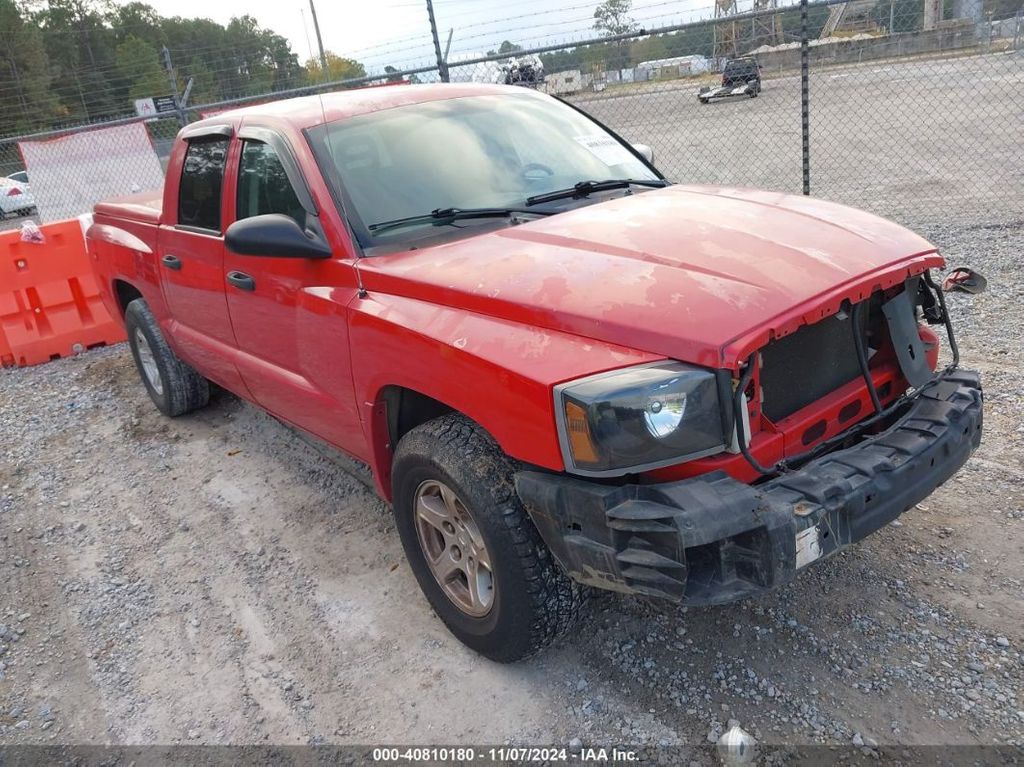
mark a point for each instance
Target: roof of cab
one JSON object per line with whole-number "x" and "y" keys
{"x": 307, "y": 111}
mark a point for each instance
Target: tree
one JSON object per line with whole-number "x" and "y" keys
{"x": 25, "y": 98}
{"x": 138, "y": 63}
{"x": 649, "y": 49}
{"x": 612, "y": 18}
{"x": 338, "y": 68}
{"x": 63, "y": 62}
{"x": 139, "y": 20}
{"x": 506, "y": 48}
{"x": 81, "y": 50}
{"x": 393, "y": 74}
{"x": 204, "y": 84}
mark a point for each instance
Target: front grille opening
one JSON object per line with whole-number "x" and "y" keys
{"x": 817, "y": 359}
{"x": 849, "y": 411}
{"x": 815, "y": 432}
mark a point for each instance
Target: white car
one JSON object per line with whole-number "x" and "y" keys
{"x": 16, "y": 195}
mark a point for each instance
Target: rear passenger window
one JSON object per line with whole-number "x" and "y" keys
{"x": 201, "y": 180}
{"x": 263, "y": 186}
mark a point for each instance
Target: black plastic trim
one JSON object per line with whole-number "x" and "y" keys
{"x": 713, "y": 539}
{"x": 205, "y": 131}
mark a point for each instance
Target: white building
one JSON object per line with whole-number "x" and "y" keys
{"x": 678, "y": 66}
{"x": 566, "y": 82}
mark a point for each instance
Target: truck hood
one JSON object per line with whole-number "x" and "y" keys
{"x": 700, "y": 274}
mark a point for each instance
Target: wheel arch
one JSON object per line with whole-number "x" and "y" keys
{"x": 496, "y": 372}
{"x": 125, "y": 292}
{"x": 397, "y": 410}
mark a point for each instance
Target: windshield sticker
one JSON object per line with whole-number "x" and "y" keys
{"x": 605, "y": 148}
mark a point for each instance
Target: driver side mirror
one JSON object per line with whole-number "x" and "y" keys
{"x": 964, "y": 280}
{"x": 276, "y": 235}
{"x": 645, "y": 151}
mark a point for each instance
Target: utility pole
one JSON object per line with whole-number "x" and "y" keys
{"x": 319, "y": 42}
{"x": 172, "y": 78}
{"x": 805, "y": 100}
{"x": 442, "y": 65}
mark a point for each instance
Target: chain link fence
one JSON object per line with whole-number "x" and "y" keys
{"x": 910, "y": 108}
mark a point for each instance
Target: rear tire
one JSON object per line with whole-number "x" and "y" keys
{"x": 174, "y": 387}
{"x": 531, "y": 601}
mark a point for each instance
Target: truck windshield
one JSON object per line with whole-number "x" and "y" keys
{"x": 492, "y": 151}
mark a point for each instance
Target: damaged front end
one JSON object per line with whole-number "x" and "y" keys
{"x": 840, "y": 427}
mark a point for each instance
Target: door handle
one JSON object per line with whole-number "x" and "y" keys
{"x": 241, "y": 280}
{"x": 171, "y": 262}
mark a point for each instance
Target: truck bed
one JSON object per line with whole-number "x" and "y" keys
{"x": 144, "y": 207}
{"x": 122, "y": 242}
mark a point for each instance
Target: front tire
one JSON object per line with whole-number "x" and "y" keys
{"x": 174, "y": 387}
{"x": 474, "y": 550}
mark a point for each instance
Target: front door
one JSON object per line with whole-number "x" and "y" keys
{"x": 191, "y": 254}
{"x": 290, "y": 314}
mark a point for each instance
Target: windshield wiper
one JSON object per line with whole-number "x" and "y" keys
{"x": 445, "y": 216}
{"x": 583, "y": 188}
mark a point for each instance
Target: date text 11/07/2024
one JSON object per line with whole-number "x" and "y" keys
{"x": 502, "y": 754}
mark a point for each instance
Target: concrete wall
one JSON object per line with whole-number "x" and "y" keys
{"x": 947, "y": 36}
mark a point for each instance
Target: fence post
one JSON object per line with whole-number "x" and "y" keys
{"x": 442, "y": 65}
{"x": 805, "y": 115}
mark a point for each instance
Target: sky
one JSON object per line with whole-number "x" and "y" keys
{"x": 396, "y": 32}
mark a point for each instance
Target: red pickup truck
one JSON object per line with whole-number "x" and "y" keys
{"x": 563, "y": 371}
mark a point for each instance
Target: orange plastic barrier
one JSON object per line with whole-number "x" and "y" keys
{"x": 50, "y": 306}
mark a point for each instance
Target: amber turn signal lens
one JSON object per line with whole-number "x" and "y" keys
{"x": 580, "y": 441}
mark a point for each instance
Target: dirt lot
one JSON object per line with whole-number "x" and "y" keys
{"x": 213, "y": 579}
{"x": 903, "y": 138}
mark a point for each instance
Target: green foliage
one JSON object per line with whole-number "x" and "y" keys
{"x": 138, "y": 62}
{"x": 338, "y": 68}
{"x": 65, "y": 62}
{"x": 649, "y": 49}
{"x": 25, "y": 98}
{"x": 612, "y": 17}
{"x": 505, "y": 49}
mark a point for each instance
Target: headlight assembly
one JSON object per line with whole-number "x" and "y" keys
{"x": 639, "y": 418}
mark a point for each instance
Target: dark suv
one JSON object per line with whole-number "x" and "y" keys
{"x": 740, "y": 71}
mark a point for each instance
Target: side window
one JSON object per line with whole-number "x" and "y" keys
{"x": 263, "y": 186}
{"x": 201, "y": 180}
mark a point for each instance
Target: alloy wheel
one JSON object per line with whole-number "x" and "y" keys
{"x": 454, "y": 548}
{"x": 148, "y": 362}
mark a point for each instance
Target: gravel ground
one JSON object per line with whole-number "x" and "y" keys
{"x": 907, "y": 139}
{"x": 213, "y": 579}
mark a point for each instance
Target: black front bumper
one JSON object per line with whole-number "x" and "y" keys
{"x": 713, "y": 539}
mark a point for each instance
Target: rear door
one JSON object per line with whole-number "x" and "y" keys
{"x": 191, "y": 251}
{"x": 290, "y": 314}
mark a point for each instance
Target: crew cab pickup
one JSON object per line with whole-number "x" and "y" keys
{"x": 563, "y": 371}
